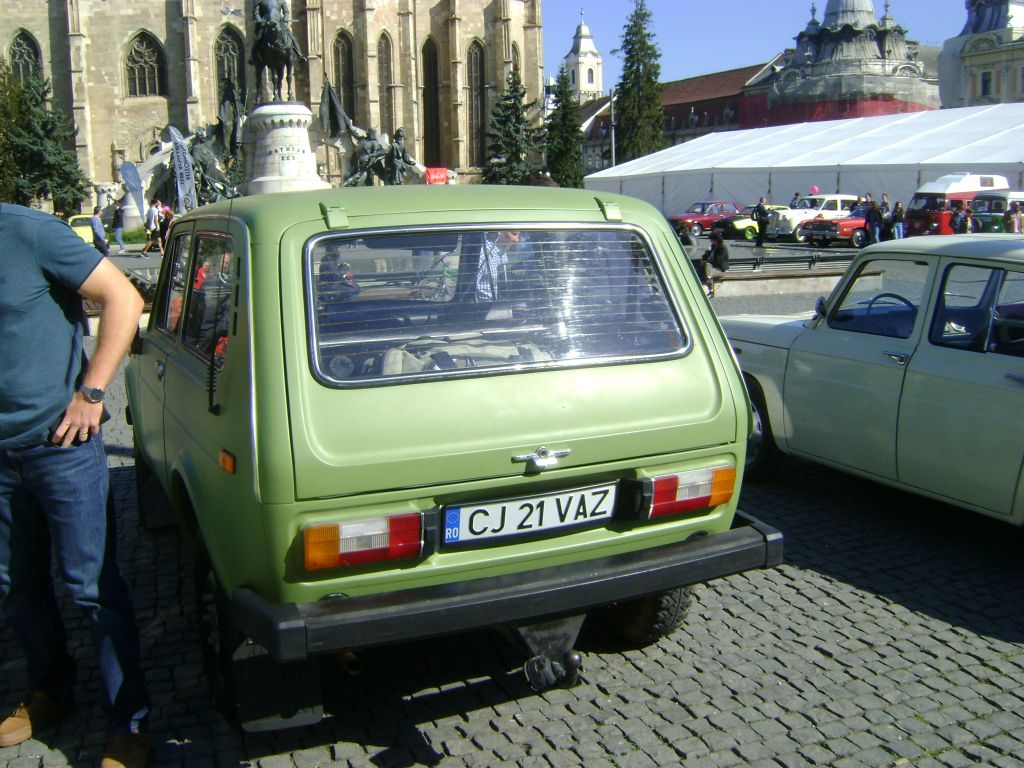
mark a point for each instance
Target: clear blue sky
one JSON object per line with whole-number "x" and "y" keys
{"x": 696, "y": 38}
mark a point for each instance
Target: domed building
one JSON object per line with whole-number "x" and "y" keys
{"x": 984, "y": 64}
{"x": 849, "y": 64}
{"x": 124, "y": 71}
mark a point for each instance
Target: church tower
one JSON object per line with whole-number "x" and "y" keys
{"x": 984, "y": 64}
{"x": 583, "y": 64}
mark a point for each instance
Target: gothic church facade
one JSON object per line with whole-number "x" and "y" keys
{"x": 125, "y": 70}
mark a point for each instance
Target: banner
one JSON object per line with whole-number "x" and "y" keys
{"x": 184, "y": 176}
{"x": 437, "y": 175}
{"x": 133, "y": 183}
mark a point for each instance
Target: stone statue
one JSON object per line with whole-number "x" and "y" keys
{"x": 275, "y": 47}
{"x": 398, "y": 161}
{"x": 211, "y": 183}
{"x": 370, "y": 157}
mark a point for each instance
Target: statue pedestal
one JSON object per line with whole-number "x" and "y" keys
{"x": 281, "y": 160}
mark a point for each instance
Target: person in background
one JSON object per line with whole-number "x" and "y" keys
{"x": 715, "y": 262}
{"x": 761, "y": 217}
{"x": 99, "y": 236}
{"x": 966, "y": 222}
{"x": 153, "y": 226}
{"x": 795, "y": 201}
{"x": 54, "y": 479}
{"x": 898, "y": 215}
{"x": 165, "y": 224}
{"x": 956, "y": 220}
{"x": 1012, "y": 218}
{"x": 874, "y": 220}
{"x": 118, "y": 225}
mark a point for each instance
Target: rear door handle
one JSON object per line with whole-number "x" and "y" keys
{"x": 1016, "y": 377}
{"x": 900, "y": 358}
{"x": 161, "y": 367}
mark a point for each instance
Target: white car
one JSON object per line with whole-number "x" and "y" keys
{"x": 910, "y": 374}
{"x": 786, "y": 222}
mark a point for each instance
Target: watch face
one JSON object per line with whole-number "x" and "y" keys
{"x": 91, "y": 394}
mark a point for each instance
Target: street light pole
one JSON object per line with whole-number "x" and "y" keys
{"x": 612, "y": 102}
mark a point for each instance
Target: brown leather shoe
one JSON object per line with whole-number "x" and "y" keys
{"x": 36, "y": 712}
{"x": 127, "y": 750}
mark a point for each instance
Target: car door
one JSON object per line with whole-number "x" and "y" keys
{"x": 157, "y": 344}
{"x": 961, "y": 432}
{"x": 844, "y": 376}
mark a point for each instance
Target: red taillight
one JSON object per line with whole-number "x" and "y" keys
{"x": 367, "y": 540}
{"x": 690, "y": 491}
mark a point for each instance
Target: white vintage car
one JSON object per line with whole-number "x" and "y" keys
{"x": 786, "y": 221}
{"x": 911, "y": 373}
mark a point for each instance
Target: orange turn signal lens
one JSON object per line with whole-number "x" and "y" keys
{"x": 367, "y": 540}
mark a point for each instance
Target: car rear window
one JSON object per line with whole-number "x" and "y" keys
{"x": 393, "y": 306}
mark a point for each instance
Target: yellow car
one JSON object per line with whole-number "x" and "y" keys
{"x": 742, "y": 226}
{"x": 81, "y": 226}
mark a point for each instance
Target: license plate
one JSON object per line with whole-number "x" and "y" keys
{"x": 471, "y": 523}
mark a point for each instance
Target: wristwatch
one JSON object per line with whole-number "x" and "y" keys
{"x": 92, "y": 394}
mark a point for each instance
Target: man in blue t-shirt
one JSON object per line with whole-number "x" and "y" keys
{"x": 54, "y": 482}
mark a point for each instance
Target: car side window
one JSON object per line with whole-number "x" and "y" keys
{"x": 883, "y": 299}
{"x": 1007, "y": 334}
{"x": 964, "y": 310}
{"x": 210, "y": 302}
{"x": 169, "y": 316}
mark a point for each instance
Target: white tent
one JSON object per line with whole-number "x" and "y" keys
{"x": 893, "y": 154}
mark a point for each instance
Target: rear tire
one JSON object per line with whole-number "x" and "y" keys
{"x": 798, "y": 236}
{"x": 218, "y": 635}
{"x": 750, "y": 233}
{"x": 643, "y": 621}
{"x": 696, "y": 230}
{"x": 859, "y": 238}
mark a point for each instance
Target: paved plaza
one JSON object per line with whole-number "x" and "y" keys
{"x": 893, "y": 635}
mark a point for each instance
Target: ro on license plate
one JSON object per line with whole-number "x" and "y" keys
{"x": 519, "y": 517}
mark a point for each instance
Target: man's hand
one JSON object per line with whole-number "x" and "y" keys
{"x": 81, "y": 421}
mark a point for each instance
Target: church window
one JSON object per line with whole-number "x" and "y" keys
{"x": 229, "y": 53}
{"x": 477, "y": 103}
{"x": 145, "y": 67}
{"x": 26, "y": 60}
{"x": 590, "y": 77}
{"x": 572, "y": 77}
{"x": 385, "y": 81}
{"x": 986, "y": 83}
{"x": 344, "y": 72}
{"x": 431, "y": 105}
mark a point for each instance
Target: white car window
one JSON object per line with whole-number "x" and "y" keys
{"x": 1007, "y": 335}
{"x": 883, "y": 299}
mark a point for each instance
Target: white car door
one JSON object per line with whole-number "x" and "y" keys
{"x": 961, "y": 432}
{"x": 844, "y": 376}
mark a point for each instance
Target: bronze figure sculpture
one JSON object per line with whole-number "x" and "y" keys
{"x": 275, "y": 47}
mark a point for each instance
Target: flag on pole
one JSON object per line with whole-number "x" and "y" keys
{"x": 184, "y": 177}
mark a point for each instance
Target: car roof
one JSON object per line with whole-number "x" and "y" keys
{"x": 988, "y": 246}
{"x": 268, "y": 215}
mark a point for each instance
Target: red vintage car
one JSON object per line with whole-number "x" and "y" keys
{"x": 701, "y": 216}
{"x": 852, "y": 228}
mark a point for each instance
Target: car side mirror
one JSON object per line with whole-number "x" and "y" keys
{"x": 820, "y": 308}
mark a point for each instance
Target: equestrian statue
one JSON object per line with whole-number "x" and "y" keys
{"x": 275, "y": 47}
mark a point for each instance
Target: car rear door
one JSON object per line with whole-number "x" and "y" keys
{"x": 961, "y": 430}
{"x": 844, "y": 377}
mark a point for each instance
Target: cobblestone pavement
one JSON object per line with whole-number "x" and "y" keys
{"x": 893, "y": 635}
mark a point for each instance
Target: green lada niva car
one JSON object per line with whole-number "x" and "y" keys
{"x": 387, "y": 414}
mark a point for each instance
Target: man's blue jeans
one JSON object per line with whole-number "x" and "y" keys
{"x": 119, "y": 237}
{"x": 61, "y": 496}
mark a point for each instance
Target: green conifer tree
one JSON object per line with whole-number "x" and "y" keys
{"x": 513, "y": 142}
{"x": 640, "y": 120}
{"x": 39, "y": 142}
{"x": 10, "y": 107}
{"x": 562, "y": 136}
